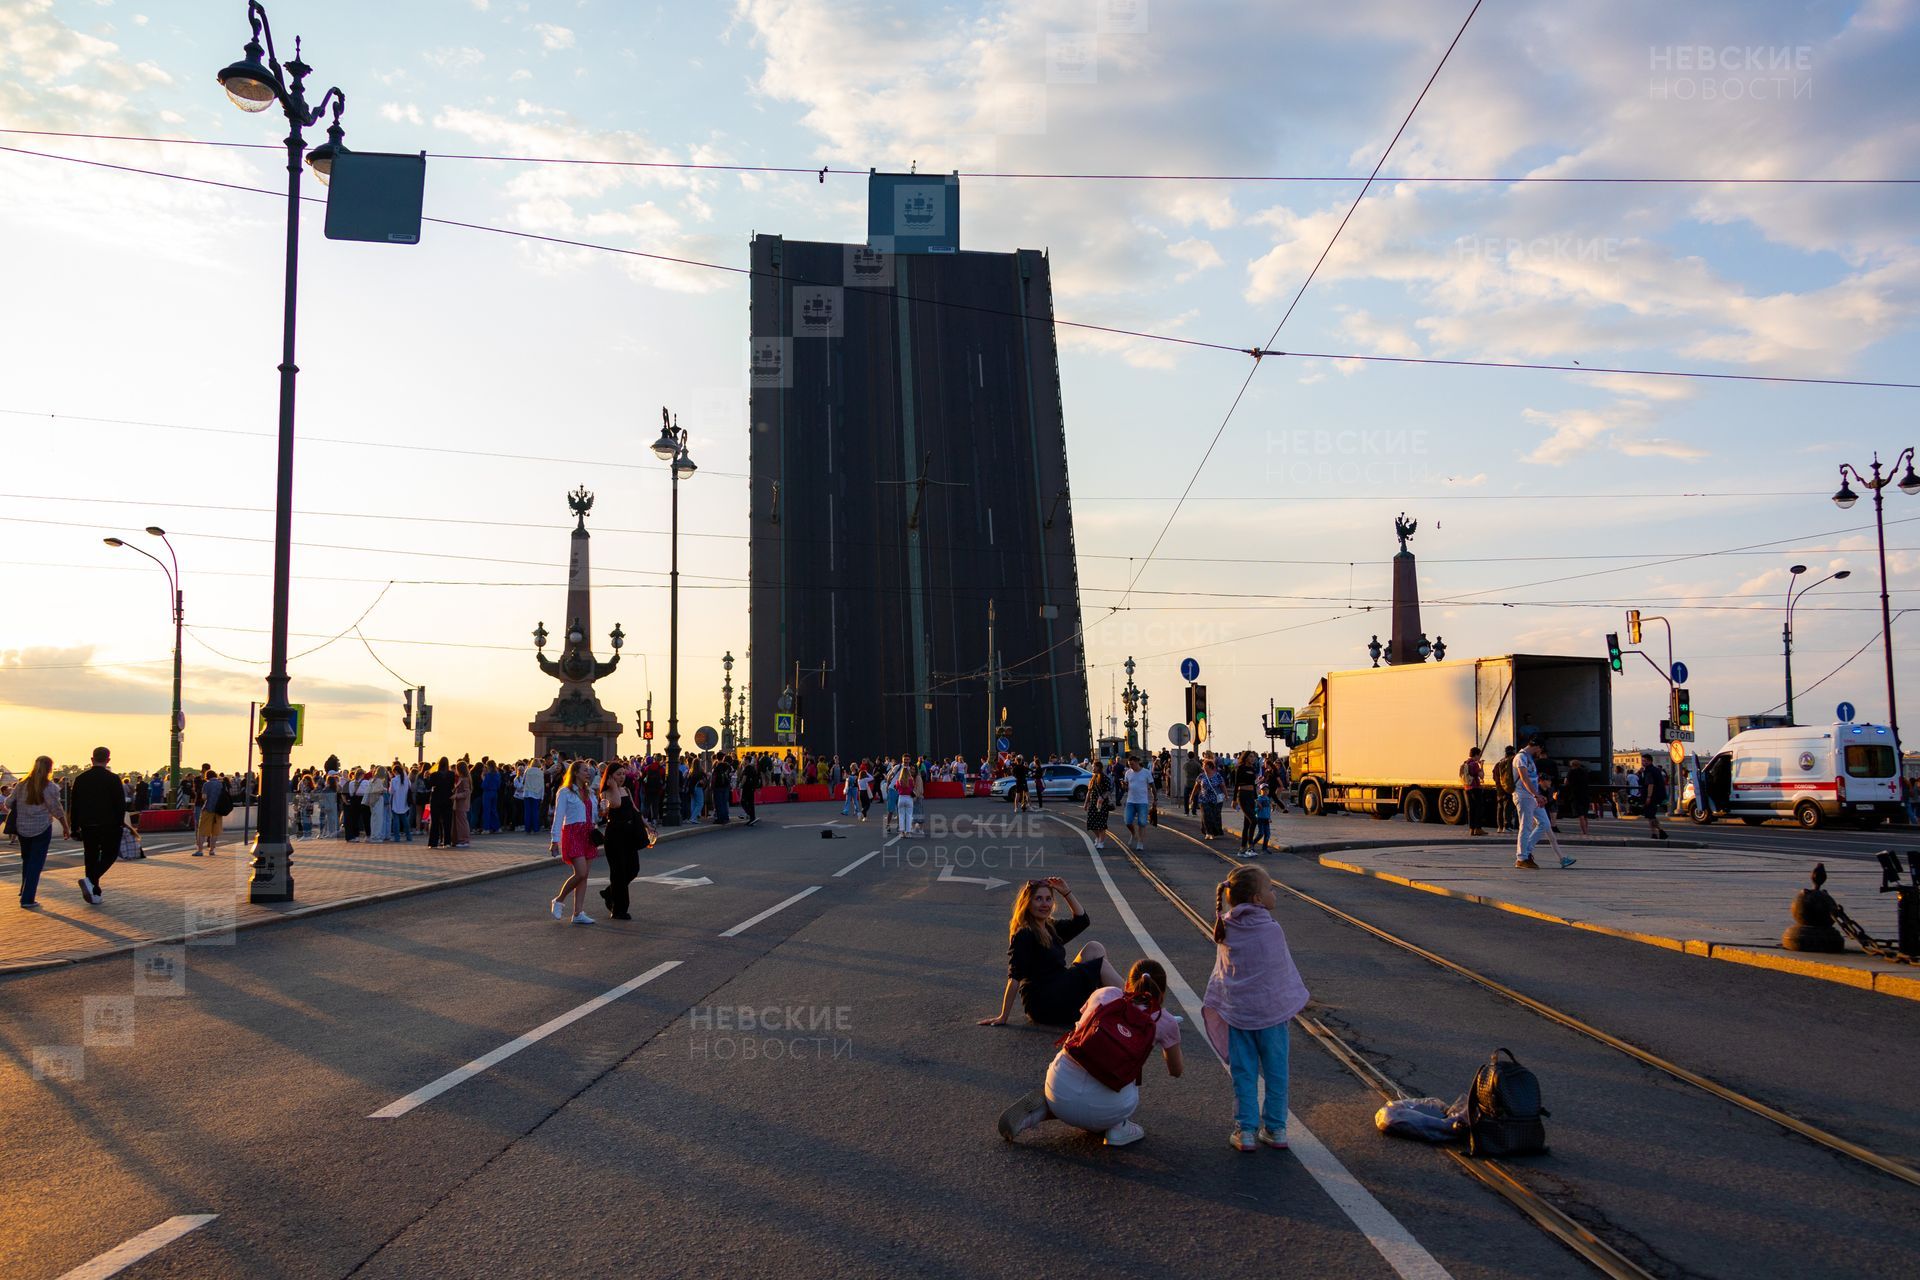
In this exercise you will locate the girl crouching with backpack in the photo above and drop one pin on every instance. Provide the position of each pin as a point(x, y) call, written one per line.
point(1094, 1082)
point(1254, 992)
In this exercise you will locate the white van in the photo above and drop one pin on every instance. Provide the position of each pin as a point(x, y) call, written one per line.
point(1812, 773)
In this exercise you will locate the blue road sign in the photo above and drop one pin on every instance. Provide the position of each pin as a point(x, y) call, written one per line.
point(1844, 713)
point(1189, 669)
point(1004, 745)
point(1679, 673)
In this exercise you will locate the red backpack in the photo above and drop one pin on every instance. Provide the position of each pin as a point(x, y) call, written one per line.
point(1114, 1045)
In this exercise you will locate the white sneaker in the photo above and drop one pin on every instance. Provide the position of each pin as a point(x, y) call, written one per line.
point(583, 918)
point(1123, 1133)
point(559, 912)
point(89, 892)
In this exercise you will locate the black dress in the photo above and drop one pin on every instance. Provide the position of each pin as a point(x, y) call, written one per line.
point(626, 836)
point(1051, 990)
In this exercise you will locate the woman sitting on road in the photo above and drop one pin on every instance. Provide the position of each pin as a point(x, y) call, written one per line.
point(1051, 990)
point(575, 810)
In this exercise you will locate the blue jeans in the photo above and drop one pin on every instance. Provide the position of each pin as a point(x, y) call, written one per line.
point(1532, 825)
point(401, 826)
point(33, 860)
point(720, 805)
point(1254, 1056)
point(530, 809)
point(847, 808)
point(695, 803)
point(489, 811)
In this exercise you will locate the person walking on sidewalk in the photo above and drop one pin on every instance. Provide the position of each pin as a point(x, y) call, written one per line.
point(216, 802)
point(575, 811)
point(99, 809)
point(1653, 786)
point(1211, 795)
point(35, 806)
point(1099, 805)
point(1530, 805)
point(533, 789)
point(1246, 777)
point(440, 805)
point(1473, 777)
point(1503, 792)
point(1139, 800)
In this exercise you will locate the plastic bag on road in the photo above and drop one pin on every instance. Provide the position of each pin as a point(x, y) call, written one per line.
point(1428, 1119)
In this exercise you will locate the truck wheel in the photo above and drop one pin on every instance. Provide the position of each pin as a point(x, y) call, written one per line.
point(1312, 802)
point(1453, 807)
point(1808, 815)
point(1381, 811)
point(1415, 806)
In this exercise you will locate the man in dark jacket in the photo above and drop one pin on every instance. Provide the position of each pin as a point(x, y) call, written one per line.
point(98, 809)
point(440, 800)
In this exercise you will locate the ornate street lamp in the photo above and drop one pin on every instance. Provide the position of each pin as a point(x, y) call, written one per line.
point(1846, 497)
point(253, 85)
point(671, 448)
point(1373, 650)
point(726, 703)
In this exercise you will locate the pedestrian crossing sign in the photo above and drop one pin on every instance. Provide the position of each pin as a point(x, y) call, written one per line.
point(783, 722)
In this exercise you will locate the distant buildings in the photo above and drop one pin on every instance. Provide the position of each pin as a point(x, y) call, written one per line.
point(908, 467)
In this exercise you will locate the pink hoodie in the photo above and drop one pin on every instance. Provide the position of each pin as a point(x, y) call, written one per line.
point(1254, 983)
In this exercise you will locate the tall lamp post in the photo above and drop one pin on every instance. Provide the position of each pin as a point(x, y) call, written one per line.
point(1845, 497)
point(671, 448)
point(254, 86)
point(1130, 697)
point(1146, 735)
point(1786, 628)
point(726, 703)
point(176, 728)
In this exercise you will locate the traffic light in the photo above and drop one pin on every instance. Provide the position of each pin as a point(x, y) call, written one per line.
point(406, 716)
point(1197, 695)
point(1682, 709)
point(1633, 627)
point(646, 730)
point(1613, 651)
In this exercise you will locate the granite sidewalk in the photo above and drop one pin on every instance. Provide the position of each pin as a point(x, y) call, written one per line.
point(174, 897)
point(1721, 904)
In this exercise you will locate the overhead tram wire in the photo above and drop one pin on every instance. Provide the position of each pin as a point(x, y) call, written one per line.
point(1298, 294)
point(814, 171)
point(874, 295)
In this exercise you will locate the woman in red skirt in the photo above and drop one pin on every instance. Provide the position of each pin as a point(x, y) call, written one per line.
point(575, 810)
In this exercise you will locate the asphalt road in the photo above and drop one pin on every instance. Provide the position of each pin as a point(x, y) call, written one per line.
point(652, 1134)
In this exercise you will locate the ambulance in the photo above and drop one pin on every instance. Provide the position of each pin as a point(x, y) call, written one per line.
point(1814, 774)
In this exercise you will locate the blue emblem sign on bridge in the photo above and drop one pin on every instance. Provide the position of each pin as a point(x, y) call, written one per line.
point(1844, 713)
point(1679, 673)
point(1003, 744)
point(1189, 669)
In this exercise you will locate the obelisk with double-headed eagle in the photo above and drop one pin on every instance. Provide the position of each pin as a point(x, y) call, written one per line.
point(575, 724)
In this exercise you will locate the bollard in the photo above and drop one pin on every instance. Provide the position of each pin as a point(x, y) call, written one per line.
point(1813, 915)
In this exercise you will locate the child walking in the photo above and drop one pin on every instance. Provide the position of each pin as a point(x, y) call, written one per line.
point(1253, 995)
point(1262, 823)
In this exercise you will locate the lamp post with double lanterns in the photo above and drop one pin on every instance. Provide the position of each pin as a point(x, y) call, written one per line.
point(1130, 699)
point(1845, 497)
point(671, 448)
point(726, 703)
point(176, 726)
point(253, 85)
point(1786, 628)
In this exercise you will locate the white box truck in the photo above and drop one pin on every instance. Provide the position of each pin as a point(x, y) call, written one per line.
point(1387, 740)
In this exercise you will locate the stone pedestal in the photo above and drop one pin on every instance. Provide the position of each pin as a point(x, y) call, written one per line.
point(575, 724)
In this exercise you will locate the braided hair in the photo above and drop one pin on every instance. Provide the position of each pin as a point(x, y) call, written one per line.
point(1245, 883)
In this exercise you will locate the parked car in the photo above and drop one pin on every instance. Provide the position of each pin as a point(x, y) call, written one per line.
point(1062, 780)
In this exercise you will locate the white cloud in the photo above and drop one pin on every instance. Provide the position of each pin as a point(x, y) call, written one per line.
point(553, 38)
point(1199, 255)
point(455, 57)
point(400, 112)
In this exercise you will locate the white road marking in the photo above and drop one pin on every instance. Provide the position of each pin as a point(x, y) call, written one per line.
point(777, 907)
point(865, 857)
point(119, 1258)
point(1408, 1258)
point(428, 1093)
point(990, 882)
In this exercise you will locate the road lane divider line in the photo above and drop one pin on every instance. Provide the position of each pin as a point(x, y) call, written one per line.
point(1389, 1238)
point(153, 1239)
point(460, 1075)
point(775, 909)
point(859, 861)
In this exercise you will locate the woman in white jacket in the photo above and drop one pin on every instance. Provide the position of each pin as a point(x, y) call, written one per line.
point(575, 810)
point(380, 830)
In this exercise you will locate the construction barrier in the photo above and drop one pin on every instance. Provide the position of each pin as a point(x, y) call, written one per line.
point(152, 820)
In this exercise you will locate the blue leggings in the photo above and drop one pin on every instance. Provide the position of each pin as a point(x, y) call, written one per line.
point(33, 860)
point(1254, 1056)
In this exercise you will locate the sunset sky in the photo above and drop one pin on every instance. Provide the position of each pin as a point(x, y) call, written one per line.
point(451, 393)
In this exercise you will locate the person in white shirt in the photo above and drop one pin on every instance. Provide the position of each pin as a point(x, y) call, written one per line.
point(1139, 799)
point(532, 789)
point(400, 802)
point(1527, 801)
point(575, 809)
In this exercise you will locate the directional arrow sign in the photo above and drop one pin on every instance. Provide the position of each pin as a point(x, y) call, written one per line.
point(675, 879)
point(947, 876)
point(1679, 673)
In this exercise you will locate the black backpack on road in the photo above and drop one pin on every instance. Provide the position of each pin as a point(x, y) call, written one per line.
point(1503, 1110)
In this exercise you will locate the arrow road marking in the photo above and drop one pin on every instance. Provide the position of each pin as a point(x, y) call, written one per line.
point(947, 876)
point(674, 878)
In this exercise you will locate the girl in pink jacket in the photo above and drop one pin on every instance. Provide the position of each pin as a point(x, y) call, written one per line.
point(1253, 994)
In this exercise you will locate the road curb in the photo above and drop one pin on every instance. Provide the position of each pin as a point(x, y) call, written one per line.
point(1892, 982)
point(317, 909)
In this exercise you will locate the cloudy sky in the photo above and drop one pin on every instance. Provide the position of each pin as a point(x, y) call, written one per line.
point(452, 392)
